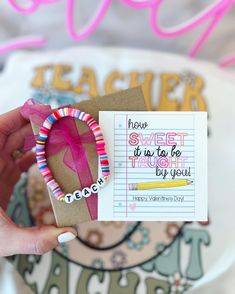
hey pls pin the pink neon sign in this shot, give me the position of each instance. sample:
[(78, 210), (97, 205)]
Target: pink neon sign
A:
[(213, 14)]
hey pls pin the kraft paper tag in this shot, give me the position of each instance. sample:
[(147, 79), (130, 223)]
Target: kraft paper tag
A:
[(79, 211)]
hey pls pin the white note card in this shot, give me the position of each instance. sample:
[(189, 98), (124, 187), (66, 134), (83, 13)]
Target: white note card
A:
[(158, 164)]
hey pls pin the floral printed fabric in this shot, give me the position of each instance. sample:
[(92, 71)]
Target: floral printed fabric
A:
[(120, 257)]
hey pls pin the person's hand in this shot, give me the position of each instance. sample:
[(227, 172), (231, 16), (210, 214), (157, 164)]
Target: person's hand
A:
[(14, 239)]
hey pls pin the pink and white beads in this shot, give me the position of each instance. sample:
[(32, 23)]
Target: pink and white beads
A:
[(42, 160)]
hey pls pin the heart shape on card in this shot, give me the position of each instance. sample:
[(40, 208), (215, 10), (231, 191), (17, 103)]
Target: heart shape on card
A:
[(132, 206)]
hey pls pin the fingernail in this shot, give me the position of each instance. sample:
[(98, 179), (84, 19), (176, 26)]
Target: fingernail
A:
[(66, 237)]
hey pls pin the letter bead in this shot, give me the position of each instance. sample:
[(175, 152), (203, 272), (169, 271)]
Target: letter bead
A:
[(41, 155), (86, 192), (101, 182), (68, 198), (94, 188), (77, 195)]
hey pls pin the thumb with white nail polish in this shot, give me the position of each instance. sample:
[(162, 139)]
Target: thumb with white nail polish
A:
[(33, 240), (40, 240), (66, 237)]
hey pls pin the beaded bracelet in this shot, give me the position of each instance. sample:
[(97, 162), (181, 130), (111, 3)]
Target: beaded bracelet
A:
[(42, 160)]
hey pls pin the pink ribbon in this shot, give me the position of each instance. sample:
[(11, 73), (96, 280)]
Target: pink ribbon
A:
[(64, 137)]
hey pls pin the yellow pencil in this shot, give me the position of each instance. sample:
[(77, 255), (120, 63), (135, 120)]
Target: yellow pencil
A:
[(159, 184)]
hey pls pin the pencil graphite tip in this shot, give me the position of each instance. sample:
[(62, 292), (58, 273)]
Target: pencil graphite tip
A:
[(132, 186), (190, 182)]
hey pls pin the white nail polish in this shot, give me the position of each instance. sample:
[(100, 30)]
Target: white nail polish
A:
[(66, 237)]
